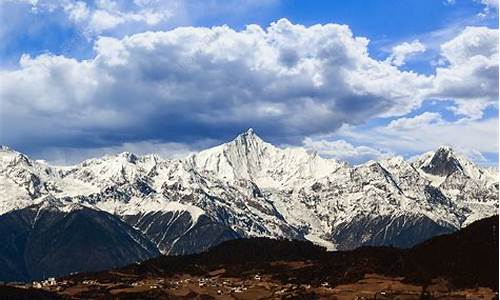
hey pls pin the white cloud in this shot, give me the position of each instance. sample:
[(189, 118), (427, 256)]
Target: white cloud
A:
[(96, 17), (471, 43), (286, 80), (93, 18), (471, 76), (490, 6), (471, 108), (466, 69), (425, 118), (344, 151), (102, 20), (464, 135), (77, 11), (290, 79), (400, 53)]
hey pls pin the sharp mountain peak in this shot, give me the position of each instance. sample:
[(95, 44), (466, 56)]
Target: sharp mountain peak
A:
[(444, 162), (247, 188), (248, 136), (248, 146)]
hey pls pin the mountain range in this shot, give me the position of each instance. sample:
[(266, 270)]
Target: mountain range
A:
[(460, 265), (111, 211)]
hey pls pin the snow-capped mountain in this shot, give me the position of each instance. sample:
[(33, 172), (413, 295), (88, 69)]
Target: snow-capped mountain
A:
[(248, 187), (250, 158)]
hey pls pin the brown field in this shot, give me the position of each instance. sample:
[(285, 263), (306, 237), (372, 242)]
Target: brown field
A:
[(218, 286)]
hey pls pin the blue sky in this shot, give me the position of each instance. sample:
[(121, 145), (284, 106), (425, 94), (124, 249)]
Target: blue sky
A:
[(376, 78)]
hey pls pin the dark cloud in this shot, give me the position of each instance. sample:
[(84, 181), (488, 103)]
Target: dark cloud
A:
[(287, 82)]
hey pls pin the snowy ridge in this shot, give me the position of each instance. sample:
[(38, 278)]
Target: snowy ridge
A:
[(253, 188), (55, 204), (250, 158)]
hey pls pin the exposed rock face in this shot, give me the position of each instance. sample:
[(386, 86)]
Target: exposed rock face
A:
[(175, 233), (443, 163), (402, 231), (52, 238), (250, 188)]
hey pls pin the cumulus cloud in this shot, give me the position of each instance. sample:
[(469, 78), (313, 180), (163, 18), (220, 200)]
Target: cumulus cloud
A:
[(344, 151), (286, 80), (471, 43), (400, 53), (77, 11), (471, 76), (103, 15)]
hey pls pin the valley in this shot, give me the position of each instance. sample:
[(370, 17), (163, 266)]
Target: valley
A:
[(455, 266)]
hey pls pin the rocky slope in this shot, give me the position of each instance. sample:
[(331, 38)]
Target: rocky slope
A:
[(250, 188), (468, 258), (54, 238), (461, 265)]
